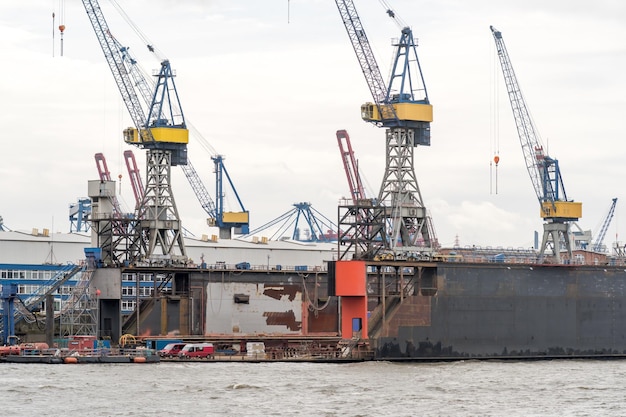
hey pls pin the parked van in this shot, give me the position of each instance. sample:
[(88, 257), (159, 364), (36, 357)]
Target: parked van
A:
[(197, 350), (171, 350)]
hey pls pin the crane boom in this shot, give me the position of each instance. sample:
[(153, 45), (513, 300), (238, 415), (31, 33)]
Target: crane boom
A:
[(597, 244), (116, 64), (349, 163), (364, 54), (135, 177), (544, 171)]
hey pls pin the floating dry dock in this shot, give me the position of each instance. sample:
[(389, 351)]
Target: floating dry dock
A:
[(399, 309)]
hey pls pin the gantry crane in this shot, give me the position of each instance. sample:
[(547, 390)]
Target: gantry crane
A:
[(545, 174), (401, 107), (599, 240)]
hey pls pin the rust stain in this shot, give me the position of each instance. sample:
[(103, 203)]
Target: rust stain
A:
[(287, 319), (277, 292)]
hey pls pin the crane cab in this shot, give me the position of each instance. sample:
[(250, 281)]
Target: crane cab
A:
[(159, 134), (406, 111), (568, 210)]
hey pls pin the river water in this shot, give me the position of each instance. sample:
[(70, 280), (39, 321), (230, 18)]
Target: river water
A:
[(467, 388)]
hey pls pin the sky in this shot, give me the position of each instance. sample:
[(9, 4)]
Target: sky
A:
[(267, 85)]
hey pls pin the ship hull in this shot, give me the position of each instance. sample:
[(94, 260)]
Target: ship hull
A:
[(500, 310)]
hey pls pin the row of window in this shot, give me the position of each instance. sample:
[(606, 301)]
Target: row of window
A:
[(143, 291), (38, 289), (131, 277), (28, 289), (21, 274)]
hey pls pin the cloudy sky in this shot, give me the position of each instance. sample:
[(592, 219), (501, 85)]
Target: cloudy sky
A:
[(268, 83)]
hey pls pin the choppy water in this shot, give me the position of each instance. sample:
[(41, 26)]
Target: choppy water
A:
[(472, 388)]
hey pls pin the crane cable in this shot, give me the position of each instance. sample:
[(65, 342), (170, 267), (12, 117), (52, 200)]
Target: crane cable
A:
[(138, 31), (401, 24), (495, 128)]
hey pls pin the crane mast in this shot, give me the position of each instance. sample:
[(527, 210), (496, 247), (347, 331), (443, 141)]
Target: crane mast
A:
[(544, 171), (164, 135), (403, 108)]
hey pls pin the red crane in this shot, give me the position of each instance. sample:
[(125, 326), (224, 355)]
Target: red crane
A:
[(135, 177), (350, 166)]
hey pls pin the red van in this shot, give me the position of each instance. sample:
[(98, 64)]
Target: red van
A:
[(171, 350), (197, 350)]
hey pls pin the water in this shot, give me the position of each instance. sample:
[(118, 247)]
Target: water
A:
[(470, 388)]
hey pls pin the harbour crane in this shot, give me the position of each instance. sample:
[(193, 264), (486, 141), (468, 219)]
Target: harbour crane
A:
[(164, 134), (225, 221), (599, 240), (401, 107), (557, 211)]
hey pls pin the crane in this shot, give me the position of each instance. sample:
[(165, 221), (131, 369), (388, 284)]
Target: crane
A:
[(545, 174), (224, 220), (135, 177), (598, 242), (401, 107), (79, 216), (164, 135), (316, 228), (350, 166)]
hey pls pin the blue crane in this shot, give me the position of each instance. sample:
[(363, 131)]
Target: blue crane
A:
[(308, 225), (598, 242), (403, 108), (545, 174)]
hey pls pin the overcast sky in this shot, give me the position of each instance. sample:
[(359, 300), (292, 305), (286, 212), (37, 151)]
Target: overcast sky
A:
[(268, 83)]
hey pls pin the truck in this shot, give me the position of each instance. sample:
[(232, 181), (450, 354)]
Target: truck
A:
[(197, 350), (171, 350)]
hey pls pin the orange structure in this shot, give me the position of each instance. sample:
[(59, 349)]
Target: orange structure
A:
[(350, 286)]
